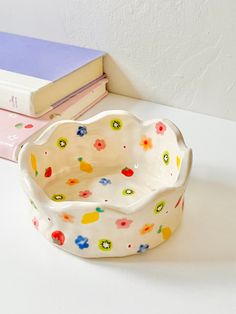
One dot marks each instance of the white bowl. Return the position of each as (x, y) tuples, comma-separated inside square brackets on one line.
[(108, 186)]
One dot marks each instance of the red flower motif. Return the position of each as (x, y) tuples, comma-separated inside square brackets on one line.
[(85, 193), (123, 223), (99, 144), (160, 128)]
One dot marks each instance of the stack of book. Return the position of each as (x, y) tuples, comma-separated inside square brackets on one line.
[(42, 82)]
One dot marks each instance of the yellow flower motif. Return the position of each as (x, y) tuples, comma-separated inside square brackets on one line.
[(146, 228), (67, 217), (146, 143)]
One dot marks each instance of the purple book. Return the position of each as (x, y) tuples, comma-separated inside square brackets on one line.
[(35, 73)]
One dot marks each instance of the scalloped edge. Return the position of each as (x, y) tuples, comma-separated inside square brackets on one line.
[(31, 188)]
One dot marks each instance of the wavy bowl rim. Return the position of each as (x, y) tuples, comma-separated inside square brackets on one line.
[(38, 193)]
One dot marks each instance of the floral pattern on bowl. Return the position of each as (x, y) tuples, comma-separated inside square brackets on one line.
[(112, 185)]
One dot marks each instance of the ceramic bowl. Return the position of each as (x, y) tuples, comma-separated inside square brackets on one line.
[(108, 186)]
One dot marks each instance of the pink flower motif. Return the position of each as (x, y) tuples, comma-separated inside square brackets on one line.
[(99, 144), (123, 223), (35, 223), (85, 193), (160, 128)]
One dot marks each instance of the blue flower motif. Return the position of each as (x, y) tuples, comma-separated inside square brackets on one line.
[(143, 248), (104, 181), (82, 130), (82, 242)]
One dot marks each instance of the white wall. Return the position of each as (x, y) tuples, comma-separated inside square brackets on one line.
[(180, 53)]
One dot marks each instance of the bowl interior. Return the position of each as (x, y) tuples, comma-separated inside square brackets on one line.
[(115, 159)]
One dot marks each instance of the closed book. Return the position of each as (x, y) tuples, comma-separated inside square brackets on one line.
[(17, 129), (35, 74)]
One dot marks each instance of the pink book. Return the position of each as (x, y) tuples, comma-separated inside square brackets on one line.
[(17, 129)]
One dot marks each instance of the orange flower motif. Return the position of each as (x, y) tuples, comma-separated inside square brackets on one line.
[(146, 142), (146, 228), (72, 181), (67, 218)]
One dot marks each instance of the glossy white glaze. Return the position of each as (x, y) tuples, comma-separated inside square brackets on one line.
[(108, 186)]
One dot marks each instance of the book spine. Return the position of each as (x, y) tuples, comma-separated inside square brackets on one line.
[(16, 100)]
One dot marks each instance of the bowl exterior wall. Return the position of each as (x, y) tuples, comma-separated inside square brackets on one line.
[(100, 232)]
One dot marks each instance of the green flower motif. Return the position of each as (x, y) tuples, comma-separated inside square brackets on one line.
[(166, 157), (58, 197), (105, 245), (159, 206), (128, 191), (62, 142), (116, 124)]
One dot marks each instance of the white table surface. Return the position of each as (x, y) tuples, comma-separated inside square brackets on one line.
[(193, 272)]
